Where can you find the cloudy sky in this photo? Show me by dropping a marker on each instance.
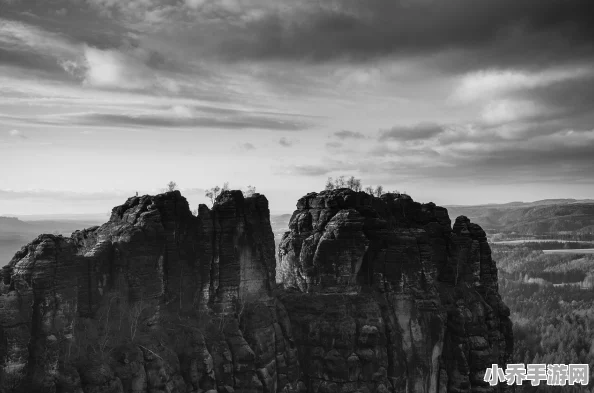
(457, 102)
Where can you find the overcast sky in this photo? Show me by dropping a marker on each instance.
(455, 102)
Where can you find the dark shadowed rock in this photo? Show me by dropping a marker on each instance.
(371, 294)
(389, 297)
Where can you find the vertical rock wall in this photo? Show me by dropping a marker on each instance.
(416, 303)
(371, 295)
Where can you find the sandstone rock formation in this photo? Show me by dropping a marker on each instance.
(371, 295)
(392, 294)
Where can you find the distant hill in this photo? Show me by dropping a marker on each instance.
(280, 225)
(532, 218)
(544, 217)
(529, 218)
(548, 216)
(16, 232)
(9, 224)
(542, 202)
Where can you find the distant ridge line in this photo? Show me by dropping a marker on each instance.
(542, 202)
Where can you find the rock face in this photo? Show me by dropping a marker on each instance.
(371, 295)
(390, 297)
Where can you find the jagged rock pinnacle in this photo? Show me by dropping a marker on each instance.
(370, 294)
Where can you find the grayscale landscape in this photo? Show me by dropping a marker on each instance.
(296, 196)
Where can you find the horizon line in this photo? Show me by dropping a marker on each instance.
(281, 212)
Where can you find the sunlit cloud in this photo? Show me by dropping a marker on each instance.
(486, 84)
(505, 111)
(17, 134)
(415, 132)
(26, 37)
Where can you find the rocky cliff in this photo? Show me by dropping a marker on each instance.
(369, 295)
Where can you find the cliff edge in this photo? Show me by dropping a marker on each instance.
(369, 295)
(391, 297)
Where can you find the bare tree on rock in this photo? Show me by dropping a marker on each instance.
(353, 184)
(214, 192)
(379, 191)
(343, 182)
(251, 190)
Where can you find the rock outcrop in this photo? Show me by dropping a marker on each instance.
(369, 295)
(391, 298)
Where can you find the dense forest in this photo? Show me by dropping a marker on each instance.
(497, 235)
(552, 308)
(556, 245)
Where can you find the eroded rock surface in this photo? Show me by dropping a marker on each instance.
(371, 295)
(390, 298)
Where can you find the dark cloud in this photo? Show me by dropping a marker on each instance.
(524, 31)
(310, 170)
(334, 145)
(247, 146)
(284, 142)
(327, 166)
(29, 60)
(240, 122)
(571, 163)
(345, 134)
(473, 32)
(571, 98)
(408, 133)
(530, 164)
(152, 121)
(565, 155)
(73, 22)
(385, 151)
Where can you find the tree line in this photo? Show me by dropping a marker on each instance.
(356, 185)
(551, 324)
(349, 182)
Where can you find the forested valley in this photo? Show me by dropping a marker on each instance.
(551, 298)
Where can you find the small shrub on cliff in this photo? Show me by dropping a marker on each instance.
(171, 186)
(134, 314)
(342, 182)
(214, 192)
(378, 191)
(251, 190)
(355, 185)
